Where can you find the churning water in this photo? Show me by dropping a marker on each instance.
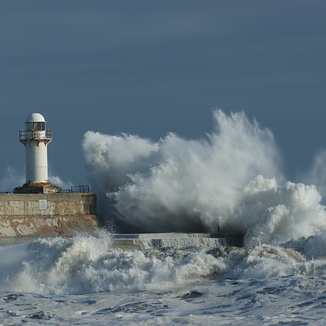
(84, 280)
(232, 179)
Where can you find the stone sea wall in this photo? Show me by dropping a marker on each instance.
(56, 214)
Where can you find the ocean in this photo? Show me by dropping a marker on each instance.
(231, 181)
(85, 280)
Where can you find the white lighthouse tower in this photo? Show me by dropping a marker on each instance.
(36, 138)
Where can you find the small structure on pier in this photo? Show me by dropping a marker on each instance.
(38, 208)
(36, 138)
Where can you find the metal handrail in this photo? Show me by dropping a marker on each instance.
(76, 189)
(73, 189)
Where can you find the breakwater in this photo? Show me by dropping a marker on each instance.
(57, 214)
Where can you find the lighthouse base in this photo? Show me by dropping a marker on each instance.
(37, 188)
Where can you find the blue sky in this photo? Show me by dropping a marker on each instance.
(151, 67)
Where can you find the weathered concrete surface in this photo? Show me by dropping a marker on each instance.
(169, 240)
(54, 214)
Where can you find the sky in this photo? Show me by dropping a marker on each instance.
(158, 66)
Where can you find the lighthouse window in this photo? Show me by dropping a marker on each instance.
(39, 126)
(33, 126)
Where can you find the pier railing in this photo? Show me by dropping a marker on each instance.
(76, 189)
(72, 189)
(25, 135)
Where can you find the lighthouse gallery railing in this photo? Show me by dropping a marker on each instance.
(37, 134)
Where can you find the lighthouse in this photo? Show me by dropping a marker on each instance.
(36, 138)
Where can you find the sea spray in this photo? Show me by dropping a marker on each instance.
(231, 180)
(275, 214)
(10, 178)
(226, 285)
(88, 264)
(316, 175)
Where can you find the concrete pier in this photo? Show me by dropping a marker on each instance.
(141, 241)
(43, 215)
(24, 216)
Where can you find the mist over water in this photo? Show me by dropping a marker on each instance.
(316, 175)
(231, 178)
(10, 178)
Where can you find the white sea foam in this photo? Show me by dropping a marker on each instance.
(317, 173)
(85, 280)
(231, 179)
(90, 264)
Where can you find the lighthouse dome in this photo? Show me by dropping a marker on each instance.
(35, 117)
